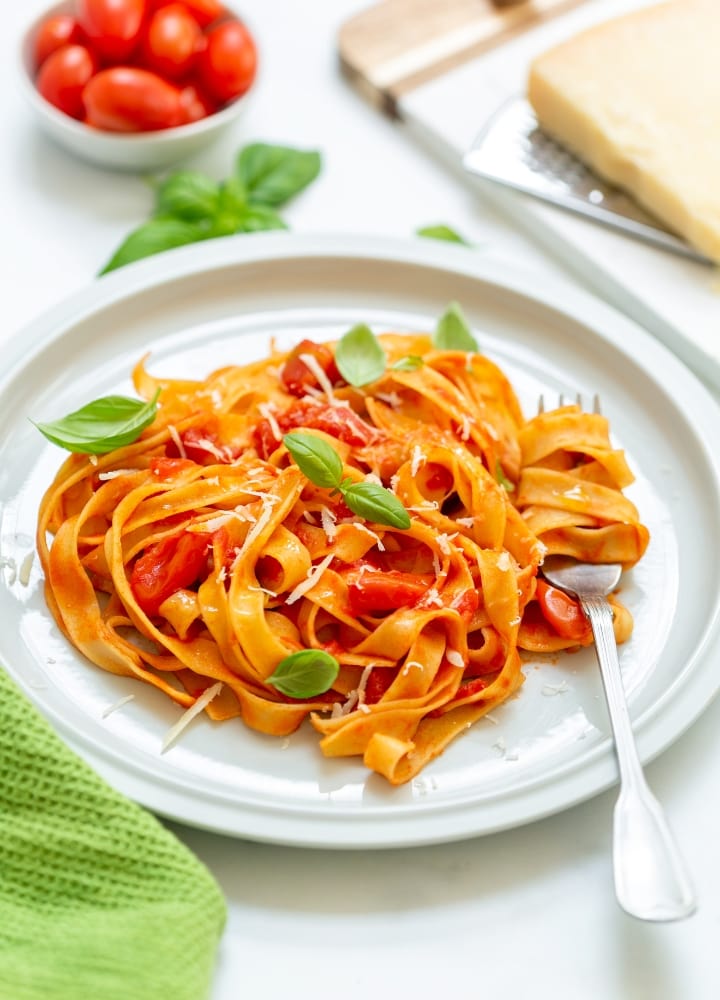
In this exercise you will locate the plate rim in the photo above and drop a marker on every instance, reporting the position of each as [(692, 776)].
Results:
[(375, 828)]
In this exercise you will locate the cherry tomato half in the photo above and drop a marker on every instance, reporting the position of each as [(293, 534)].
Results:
[(112, 26), (62, 29), (227, 65), (126, 99), (172, 40), (166, 567), (562, 613), (63, 77)]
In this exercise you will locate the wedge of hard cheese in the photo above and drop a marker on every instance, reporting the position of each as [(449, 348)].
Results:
[(638, 100)]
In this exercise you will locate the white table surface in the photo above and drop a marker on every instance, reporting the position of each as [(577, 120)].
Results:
[(527, 913)]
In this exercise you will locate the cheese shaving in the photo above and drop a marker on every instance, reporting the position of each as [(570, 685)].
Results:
[(173, 432), (26, 568), (268, 410), (312, 578), (418, 459), (186, 718), (328, 520), (114, 473), (118, 704), (323, 381), (454, 658)]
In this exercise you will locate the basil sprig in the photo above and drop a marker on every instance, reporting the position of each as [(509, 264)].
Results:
[(359, 356), (319, 461), (102, 425), (453, 333), (305, 674), (190, 206)]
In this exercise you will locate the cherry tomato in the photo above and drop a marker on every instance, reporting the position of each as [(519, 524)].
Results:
[(371, 591), (113, 26), (195, 104), (63, 77), (562, 613), (296, 376), (228, 64), (62, 29), (172, 41), (204, 11), (166, 567), (126, 99)]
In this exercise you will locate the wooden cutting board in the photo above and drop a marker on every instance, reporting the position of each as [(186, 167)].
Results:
[(442, 68), (394, 46)]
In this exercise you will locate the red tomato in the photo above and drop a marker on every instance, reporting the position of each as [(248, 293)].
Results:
[(563, 613), (378, 682), (372, 591), (63, 77), (296, 376), (338, 421), (113, 26), (126, 99), (166, 567), (204, 11), (168, 468), (195, 104), (227, 65), (172, 41), (62, 29)]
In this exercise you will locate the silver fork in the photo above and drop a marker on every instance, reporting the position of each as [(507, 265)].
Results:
[(651, 881)]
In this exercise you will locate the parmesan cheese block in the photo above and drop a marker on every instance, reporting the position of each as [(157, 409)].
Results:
[(638, 100)]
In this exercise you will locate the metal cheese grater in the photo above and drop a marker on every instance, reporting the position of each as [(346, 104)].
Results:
[(512, 150)]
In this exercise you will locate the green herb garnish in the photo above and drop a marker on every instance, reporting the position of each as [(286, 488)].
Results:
[(322, 465), (410, 363), (191, 207), (359, 356), (305, 674), (102, 425), (442, 232), (502, 479), (453, 333)]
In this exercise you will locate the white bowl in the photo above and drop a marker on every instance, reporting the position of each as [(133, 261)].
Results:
[(129, 151)]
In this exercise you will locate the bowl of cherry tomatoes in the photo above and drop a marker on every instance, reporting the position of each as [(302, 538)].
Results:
[(137, 84)]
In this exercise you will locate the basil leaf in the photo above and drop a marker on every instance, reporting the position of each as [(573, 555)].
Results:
[(188, 195), (305, 674), (160, 233), (259, 219), (375, 503), (315, 458), (442, 232), (274, 174), (359, 356), (410, 363), (102, 425), (452, 332)]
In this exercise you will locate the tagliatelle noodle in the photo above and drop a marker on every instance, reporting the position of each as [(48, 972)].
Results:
[(281, 565)]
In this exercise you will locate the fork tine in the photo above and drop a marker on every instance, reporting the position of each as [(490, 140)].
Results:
[(596, 407)]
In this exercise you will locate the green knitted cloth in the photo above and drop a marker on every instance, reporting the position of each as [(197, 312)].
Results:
[(98, 901)]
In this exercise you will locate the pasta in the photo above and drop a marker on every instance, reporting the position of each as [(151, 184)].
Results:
[(201, 555)]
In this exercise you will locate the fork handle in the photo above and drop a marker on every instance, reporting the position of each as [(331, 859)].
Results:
[(651, 882)]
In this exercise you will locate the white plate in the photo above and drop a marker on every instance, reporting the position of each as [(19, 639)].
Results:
[(201, 307)]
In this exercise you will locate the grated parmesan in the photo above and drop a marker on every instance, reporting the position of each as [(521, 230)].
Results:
[(26, 568), (118, 704), (268, 410), (114, 473), (186, 718), (314, 574), (454, 658), (173, 432), (328, 520), (7, 562), (323, 381), (418, 458)]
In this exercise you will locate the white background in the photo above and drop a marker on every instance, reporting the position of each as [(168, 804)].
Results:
[(528, 913)]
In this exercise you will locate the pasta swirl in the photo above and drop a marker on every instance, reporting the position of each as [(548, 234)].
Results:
[(201, 553)]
